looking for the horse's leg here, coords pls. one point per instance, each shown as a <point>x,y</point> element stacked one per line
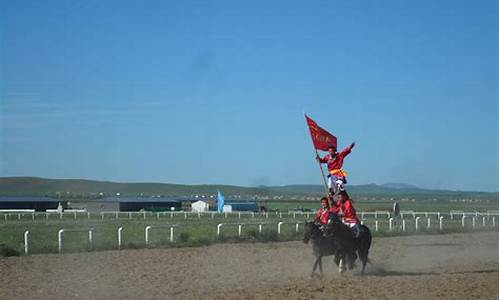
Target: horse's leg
<point>342,264</point>
<point>364,259</point>
<point>318,259</point>
<point>320,266</point>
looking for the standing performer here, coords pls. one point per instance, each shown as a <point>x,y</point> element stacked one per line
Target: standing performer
<point>334,160</point>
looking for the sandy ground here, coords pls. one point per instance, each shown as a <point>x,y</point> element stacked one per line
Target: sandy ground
<point>454,266</point>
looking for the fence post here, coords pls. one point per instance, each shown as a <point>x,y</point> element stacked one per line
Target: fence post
<point>484,221</point>
<point>439,215</point>
<point>376,225</point>
<point>172,234</point>
<point>26,242</point>
<point>493,221</point>
<point>390,222</point>
<point>75,215</point>
<point>473,222</point>
<point>102,215</point>
<point>297,227</point>
<point>260,228</point>
<point>441,223</point>
<point>279,227</point>
<point>88,215</point>
<point>146,234</point>
<point>218,228</point>
<point>120,229</point>
<point>463,221</point>
<point>404,224</point>
<point>239,215</point>
<point>416,223</point>
<point>129,215</point>
<point>428,223</point>
<point>376,217</point>
<point>90,236</point>
<point>239,230</point>
<point>280,216</point>
<point>59,239</point>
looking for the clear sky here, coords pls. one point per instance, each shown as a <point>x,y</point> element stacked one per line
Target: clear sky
<point>214,91</point>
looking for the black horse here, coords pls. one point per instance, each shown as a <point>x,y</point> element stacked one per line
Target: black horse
<point>344,234</point>
<point>338,240</point>
<point>326,245</point>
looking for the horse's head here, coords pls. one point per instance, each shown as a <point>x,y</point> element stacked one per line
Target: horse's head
<point>311,231</point>
<point>335,225</point>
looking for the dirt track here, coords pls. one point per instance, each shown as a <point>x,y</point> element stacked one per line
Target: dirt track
<point>455,266</point>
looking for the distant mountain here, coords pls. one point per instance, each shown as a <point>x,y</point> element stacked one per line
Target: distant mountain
<point>79,188</point>
<point>397,185</point>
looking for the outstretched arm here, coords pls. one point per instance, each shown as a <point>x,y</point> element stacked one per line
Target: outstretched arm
<point>347,150</point>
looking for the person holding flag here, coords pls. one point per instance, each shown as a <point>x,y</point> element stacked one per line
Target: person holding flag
<point>323,140</point>
<point>335,160</point>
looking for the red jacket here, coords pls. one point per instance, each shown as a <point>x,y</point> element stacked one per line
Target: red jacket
<point>322,215</point>
<point>336,162</point>
<point>346,211</point>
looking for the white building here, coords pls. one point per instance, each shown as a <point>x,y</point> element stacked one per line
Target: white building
<point>227,208</point>
<point>199,206</point>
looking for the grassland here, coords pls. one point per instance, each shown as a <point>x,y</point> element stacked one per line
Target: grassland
<point>191,229</point>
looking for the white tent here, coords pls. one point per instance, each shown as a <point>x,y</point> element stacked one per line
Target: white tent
<point>227,208</point>
<point>199,206</point>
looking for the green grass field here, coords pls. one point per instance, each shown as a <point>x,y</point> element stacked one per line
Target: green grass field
<point>192,229</point>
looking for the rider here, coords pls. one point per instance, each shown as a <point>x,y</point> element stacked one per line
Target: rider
<point>335,160</point>
<point>323,214</point>
<point>345,210</point>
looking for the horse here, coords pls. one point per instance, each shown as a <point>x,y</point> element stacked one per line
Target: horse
<point>326,246</point>
<point>345,237</point>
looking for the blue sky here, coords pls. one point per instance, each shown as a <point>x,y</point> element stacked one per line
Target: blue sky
<point>214,91</point>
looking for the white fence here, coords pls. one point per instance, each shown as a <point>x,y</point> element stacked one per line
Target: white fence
<point>364,215</point>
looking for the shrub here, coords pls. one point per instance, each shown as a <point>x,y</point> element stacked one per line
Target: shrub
<point>184,237</point>
<point>6,250</point>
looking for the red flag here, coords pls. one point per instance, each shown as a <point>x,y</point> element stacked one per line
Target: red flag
<point>321,138</point>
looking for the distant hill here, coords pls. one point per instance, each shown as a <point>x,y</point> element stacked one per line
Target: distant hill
<point>397,185</point>
<point>79,188</point>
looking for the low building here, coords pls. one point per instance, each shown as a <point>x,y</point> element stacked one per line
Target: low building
<point>139,204</point>
<point>199,206</point>
<point>243,206</point>
<point>30,203</point>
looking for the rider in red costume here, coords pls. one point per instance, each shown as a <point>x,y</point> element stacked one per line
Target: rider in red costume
<point>344,209</point>
<point>323,214</point>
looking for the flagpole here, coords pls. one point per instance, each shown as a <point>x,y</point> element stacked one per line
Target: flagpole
<point>319,163</point>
